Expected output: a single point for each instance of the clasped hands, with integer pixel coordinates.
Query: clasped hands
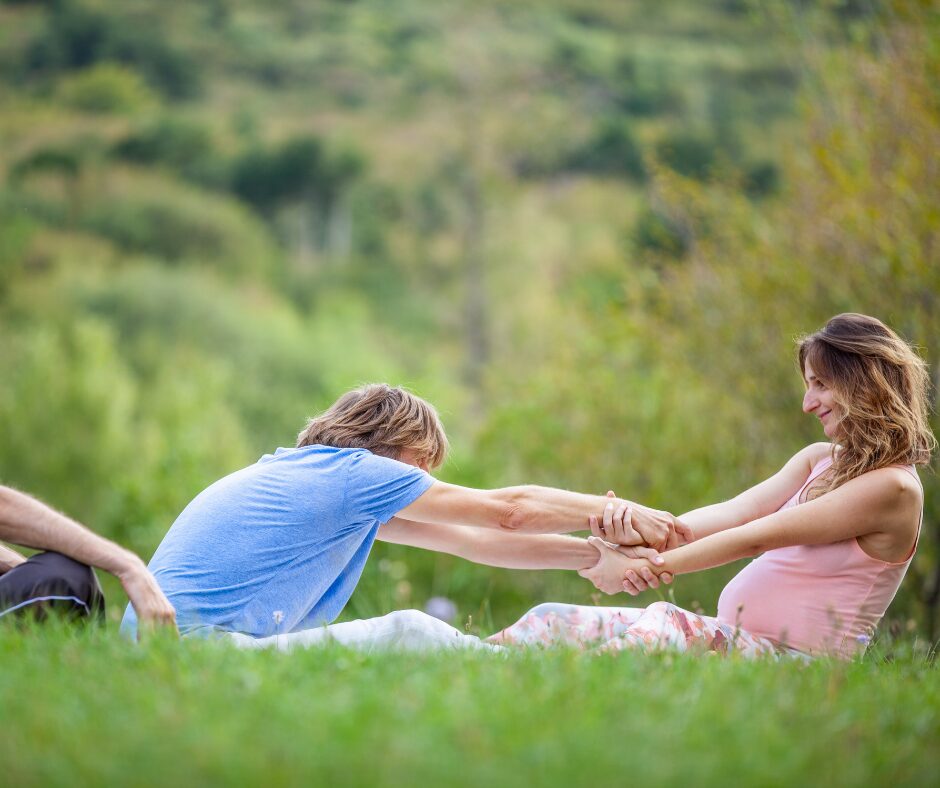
(629, 539)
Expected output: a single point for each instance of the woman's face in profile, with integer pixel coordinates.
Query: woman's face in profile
(819, 402)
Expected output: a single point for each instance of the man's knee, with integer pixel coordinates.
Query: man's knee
(416, 629)
(405, 620)
(52, 581)
(76, 578)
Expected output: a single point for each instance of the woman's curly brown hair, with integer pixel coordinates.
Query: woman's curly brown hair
(881, 386)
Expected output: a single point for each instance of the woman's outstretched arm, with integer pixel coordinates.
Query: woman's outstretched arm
(884, 503)
(761, 499)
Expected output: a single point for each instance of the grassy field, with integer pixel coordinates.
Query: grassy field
(84, 708)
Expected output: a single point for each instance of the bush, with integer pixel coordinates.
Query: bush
(106, 87)
(650, 101)
(64, 161)
(121, 456)
(158, 228)
(654, 231)
(304, 175)
(688, 153)
(762, 178)
(267, 178)
(17, 230)
(301, 168)
(68, 392)
(183, 146)
(280, 367)
(182, 224)
(648, 96)
(612, 150)
(77, 37)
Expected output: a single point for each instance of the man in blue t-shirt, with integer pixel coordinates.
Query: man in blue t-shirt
(279, 546)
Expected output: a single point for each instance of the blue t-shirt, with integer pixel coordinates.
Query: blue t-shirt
(279, 546)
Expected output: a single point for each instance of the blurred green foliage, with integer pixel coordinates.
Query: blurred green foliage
(587, 231)
(77, 35)
(106, 88)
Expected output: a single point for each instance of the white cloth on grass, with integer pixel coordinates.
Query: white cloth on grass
(403, 630)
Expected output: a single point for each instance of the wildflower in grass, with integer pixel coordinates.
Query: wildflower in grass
(441, 607)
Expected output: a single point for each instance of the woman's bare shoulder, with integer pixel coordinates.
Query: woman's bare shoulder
(814, 453)
(895, 480)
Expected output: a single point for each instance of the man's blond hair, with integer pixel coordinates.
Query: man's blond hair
(384, 419)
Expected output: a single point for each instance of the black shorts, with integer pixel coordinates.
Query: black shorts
(51, 582)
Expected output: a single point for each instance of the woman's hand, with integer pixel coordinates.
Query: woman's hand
(680, 533)
(612, 565)
(636, 582)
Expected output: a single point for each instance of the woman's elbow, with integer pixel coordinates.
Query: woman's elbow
(752, 551)
(752, 547)
(739, 544)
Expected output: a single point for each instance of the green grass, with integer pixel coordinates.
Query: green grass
(84, 708)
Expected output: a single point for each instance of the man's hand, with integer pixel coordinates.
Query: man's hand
(654, 526)
(151, 605)
(612, 565)
(616, 526)
(628, 523)
(10, 559)
(679, 534)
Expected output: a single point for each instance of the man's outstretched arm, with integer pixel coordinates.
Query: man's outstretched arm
(27, 522)
(538, 510)
(506, 550)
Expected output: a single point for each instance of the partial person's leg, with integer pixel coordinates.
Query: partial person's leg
(404, 630)
(552, 623)
(665, 626)
(51, 582)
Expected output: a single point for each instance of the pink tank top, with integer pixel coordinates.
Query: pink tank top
(824, 598)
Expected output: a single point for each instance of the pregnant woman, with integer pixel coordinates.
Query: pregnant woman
(836, 528)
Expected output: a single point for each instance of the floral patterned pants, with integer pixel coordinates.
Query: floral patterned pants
(660, 626)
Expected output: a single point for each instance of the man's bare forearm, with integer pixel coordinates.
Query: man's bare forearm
(27, 522)
(532, 551)
(547, 510)
(538, 510)
(493, 548)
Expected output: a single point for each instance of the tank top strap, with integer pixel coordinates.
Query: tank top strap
(817, 470)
